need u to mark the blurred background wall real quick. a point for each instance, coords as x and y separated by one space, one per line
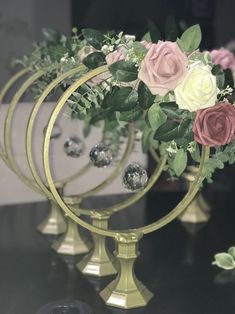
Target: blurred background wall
21 22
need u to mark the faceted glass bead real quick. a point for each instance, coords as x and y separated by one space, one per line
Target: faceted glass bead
74 147
135 177
101 155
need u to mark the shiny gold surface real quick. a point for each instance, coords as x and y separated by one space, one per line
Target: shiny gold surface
197 211
54 223
71 243
126 291
7 131
100 262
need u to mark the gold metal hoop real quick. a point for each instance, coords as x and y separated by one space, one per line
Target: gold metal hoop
112 233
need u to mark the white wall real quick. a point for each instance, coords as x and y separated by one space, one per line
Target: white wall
21 22
12 190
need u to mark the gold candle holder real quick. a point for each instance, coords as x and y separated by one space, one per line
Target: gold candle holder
103 258
118 294
100 262
198 211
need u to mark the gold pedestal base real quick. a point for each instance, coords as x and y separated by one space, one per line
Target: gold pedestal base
100 262
71 243
126 291
54 223
197 211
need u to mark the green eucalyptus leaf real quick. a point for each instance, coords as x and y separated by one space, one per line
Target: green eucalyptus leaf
231 251
225 261
171 130
99 115
156 116
93 37
180 162
171 28
94 60
124 71
154 32
190 39
56 52
145 97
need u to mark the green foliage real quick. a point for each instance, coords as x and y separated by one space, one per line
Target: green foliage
220 77
196 154
94 60
124 71
190 39
131 115
122 99
180 162
145 98
171 110
156 116
171 130
225 260
218 159
93 37
146 139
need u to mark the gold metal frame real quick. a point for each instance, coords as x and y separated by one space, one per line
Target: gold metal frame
120 293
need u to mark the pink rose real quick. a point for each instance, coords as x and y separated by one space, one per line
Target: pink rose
163 67
215 126
116 55
224 58
146 44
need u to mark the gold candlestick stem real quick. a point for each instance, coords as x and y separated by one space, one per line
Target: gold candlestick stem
126 291
100 262
71 243
54 223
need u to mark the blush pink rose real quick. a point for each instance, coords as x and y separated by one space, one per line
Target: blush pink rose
215 126
163 67
116 55
146 44
224 58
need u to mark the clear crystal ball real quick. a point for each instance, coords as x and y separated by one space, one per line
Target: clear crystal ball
74 147
135 177
101 155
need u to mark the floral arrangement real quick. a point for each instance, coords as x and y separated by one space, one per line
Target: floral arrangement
177 97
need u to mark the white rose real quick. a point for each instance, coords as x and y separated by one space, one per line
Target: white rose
198 90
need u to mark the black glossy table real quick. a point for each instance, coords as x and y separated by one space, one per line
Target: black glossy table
175 262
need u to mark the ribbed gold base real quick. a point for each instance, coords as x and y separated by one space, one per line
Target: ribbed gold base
100 262
126 291
197 211
54 223
71 243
